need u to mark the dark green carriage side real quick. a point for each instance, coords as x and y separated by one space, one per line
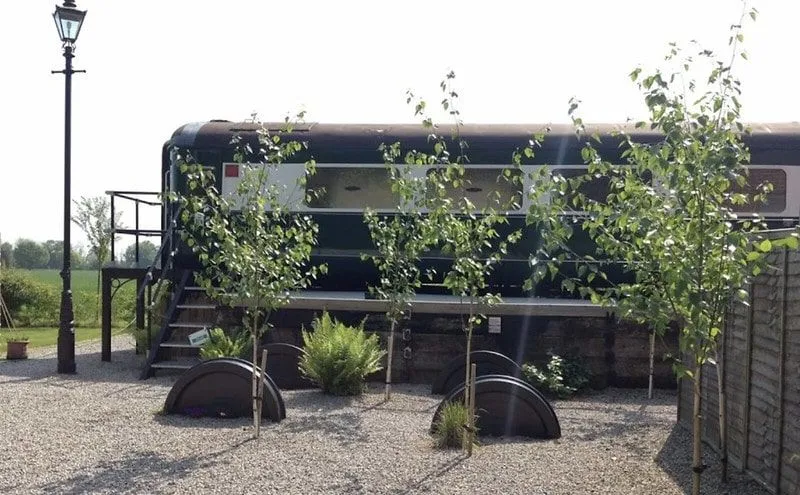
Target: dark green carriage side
343 234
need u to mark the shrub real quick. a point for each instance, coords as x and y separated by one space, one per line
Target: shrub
124 305
448 431
140 336
561 377
221 345
338 357
125 309
29 302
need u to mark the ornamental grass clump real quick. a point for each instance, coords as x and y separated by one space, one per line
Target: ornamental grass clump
338 357
449 430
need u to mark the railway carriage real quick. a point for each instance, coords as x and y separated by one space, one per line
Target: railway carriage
351 173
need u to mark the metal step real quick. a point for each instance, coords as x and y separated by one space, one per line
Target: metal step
195 288
179 345
173 365
197 306
191 325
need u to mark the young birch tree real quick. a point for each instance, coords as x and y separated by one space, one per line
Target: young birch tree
472 235
400 239
254 249
671 215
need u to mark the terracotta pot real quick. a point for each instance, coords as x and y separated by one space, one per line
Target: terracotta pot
17 349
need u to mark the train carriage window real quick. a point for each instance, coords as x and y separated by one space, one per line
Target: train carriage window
775 200
596 189
350 187
486 187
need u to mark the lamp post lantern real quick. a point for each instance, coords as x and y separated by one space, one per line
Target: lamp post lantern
68 22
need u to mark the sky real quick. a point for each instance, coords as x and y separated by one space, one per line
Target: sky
153 66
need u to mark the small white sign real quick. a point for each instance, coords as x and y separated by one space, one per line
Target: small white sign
199 337
495 324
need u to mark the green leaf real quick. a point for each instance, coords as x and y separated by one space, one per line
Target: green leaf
788 242
765 246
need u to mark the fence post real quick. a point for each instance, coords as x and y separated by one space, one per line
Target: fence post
782 368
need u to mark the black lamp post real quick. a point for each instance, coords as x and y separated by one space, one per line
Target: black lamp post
68 21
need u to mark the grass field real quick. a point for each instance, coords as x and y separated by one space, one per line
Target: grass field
82 280
42 337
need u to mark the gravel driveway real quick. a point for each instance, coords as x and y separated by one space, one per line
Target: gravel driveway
98 432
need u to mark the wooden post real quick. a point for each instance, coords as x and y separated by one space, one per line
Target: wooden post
140 303
748 376
261 387
697 427
389 357
652 352
471 412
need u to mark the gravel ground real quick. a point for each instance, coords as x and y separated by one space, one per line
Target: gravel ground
98 432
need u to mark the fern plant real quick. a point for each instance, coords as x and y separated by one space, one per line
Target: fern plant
338 357
221 345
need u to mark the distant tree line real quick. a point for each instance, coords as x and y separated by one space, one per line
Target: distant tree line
28 254
93 216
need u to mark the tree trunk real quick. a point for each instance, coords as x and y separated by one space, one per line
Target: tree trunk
388 393
723 429
261 382
467 389
697 456
256 409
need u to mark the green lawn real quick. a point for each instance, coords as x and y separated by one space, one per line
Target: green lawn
81 281
42 337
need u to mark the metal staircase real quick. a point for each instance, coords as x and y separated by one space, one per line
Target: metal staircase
189 310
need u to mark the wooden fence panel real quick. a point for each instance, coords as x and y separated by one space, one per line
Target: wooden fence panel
761 374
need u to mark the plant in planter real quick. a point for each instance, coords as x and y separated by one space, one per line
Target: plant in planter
17 344
17 347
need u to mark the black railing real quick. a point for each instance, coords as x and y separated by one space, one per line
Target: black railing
136 231
166 254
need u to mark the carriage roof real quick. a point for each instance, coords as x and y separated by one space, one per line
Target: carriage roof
487 143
